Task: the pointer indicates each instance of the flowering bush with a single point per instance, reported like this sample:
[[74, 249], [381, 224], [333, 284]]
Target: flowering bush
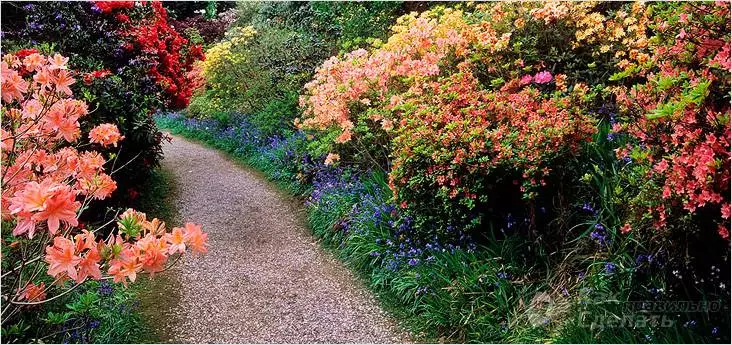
[[677, 116], [457, 108], [170, 54], [468, 108], [47, 182], [130, 62]]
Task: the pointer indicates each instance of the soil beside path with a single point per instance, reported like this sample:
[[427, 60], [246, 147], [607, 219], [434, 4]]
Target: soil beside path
[[264, 279]]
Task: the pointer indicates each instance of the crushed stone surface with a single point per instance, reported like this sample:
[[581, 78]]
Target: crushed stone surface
[[265, 278]]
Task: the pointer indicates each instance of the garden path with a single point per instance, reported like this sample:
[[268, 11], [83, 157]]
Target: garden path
[[264, 279]]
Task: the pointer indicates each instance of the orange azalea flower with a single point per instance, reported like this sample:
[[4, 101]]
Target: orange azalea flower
[[89, 266], [13, 86], [105, 134], [33, 292], [177, 241], [63, 80], [99, 187], [61, 258], [43, 78], [85, 240], [33, 196], [62, 206], [25, 225], [33, 62], [154, 251], [125, 266], [332, 158], [155, 227], [57, 62], [195, 238]]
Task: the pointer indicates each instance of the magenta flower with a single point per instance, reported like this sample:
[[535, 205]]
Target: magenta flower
[[526, 79], [543, 77]]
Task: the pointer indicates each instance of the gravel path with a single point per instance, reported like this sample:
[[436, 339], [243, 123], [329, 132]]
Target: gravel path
[[265, 279]]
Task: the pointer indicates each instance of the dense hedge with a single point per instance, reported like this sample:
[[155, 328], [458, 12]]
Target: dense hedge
[[500, 170]]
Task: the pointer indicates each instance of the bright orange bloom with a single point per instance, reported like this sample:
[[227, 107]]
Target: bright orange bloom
[[85, 240], [125, 266], [154, 251], [105, 134], [61, 258], [155, 227], [13, 86], [99, 187], [89, 164], [42, 77], [33, 62], [33, 196], [195, 238], [62, 206]]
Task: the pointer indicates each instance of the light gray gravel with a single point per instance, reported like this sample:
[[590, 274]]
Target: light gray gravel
[[264, 279]]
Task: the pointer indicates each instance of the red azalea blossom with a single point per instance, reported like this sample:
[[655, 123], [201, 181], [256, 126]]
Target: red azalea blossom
[[109, 6]]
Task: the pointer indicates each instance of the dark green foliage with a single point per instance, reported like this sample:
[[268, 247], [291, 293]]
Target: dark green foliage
[[93, 313]]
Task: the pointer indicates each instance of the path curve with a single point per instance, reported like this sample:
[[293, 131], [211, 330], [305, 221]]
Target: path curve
[[264, 279]]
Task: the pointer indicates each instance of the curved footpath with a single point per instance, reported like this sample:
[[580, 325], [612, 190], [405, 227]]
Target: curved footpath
[[264, 279]]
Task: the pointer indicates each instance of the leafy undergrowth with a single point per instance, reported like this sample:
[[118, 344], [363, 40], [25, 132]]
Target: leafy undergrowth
[[451, 288]]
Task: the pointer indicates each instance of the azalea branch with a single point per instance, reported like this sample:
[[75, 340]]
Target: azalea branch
[[128, 162]]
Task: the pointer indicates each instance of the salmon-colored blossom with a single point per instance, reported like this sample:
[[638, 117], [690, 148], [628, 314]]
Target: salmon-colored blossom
[[61, 258], [332, 158], [195, 238], [33, 292], [105, 134], [177, 241], [60, 207]]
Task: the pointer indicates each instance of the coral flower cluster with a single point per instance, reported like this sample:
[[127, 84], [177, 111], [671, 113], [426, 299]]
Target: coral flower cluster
[[47, 182]]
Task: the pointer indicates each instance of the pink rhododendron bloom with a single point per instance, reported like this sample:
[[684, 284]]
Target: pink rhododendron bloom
[[526, 80], [543, 77]]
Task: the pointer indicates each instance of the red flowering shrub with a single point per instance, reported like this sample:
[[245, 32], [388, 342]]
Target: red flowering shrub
[[678, 115], [110, 6], [169, 54]]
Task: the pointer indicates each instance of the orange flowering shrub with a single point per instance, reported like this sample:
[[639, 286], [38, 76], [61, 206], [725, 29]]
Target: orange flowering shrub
[[47, 183], [458, 101], [678, 115], [457, 107]]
